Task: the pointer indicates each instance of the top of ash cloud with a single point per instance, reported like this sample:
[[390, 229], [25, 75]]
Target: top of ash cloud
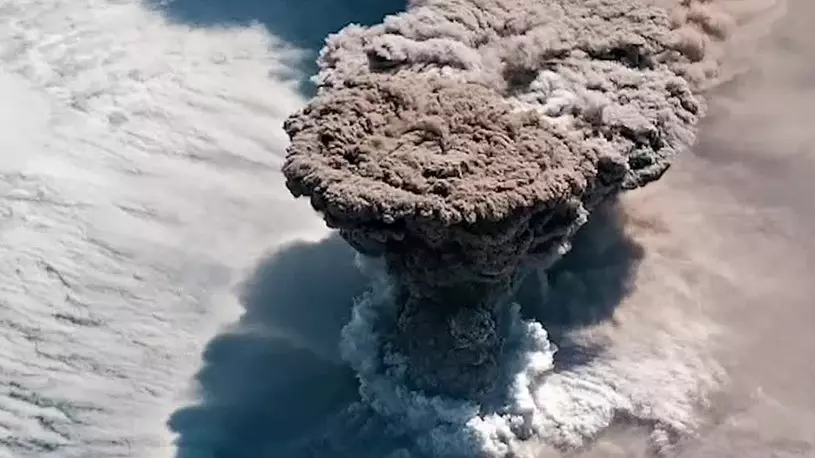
[[468, 110], [386, 147]]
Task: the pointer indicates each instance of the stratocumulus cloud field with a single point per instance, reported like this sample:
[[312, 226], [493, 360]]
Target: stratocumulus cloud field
[[163, 295], [132, 159]]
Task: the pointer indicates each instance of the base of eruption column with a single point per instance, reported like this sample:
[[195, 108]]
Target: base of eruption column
[[452, 289], [451, 348]]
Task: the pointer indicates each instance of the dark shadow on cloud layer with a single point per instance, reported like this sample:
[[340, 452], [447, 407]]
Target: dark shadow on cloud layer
[[586, 286], [276, 375], [301, 23]]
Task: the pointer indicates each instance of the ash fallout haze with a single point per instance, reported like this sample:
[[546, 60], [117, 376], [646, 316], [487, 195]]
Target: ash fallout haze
[[543, 228]]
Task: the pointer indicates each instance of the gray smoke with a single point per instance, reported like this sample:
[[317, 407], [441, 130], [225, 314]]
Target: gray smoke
[[464, 142]]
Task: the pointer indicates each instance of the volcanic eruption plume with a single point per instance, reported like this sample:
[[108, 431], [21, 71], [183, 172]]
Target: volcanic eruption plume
[[463, 142]]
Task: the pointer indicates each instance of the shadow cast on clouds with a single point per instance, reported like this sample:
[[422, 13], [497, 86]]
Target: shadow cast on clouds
[[276, 375], [301, 23], [273, 384], [586, 286]]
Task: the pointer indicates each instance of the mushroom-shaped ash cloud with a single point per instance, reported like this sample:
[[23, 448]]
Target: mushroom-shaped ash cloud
[[463, 140], [463, 155]]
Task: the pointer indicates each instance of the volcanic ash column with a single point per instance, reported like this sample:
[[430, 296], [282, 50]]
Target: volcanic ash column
[[463, 140]]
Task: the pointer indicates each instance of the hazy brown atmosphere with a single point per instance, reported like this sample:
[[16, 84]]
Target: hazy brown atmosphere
[[735, 220]]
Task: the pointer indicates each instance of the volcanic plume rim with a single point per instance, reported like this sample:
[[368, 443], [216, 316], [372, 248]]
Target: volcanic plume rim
[[394, 153]]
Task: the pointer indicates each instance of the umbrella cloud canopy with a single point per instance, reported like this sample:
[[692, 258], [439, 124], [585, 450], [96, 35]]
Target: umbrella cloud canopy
[[462, 140]]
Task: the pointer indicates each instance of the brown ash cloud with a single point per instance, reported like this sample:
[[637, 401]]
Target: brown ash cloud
[[464, 141]]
